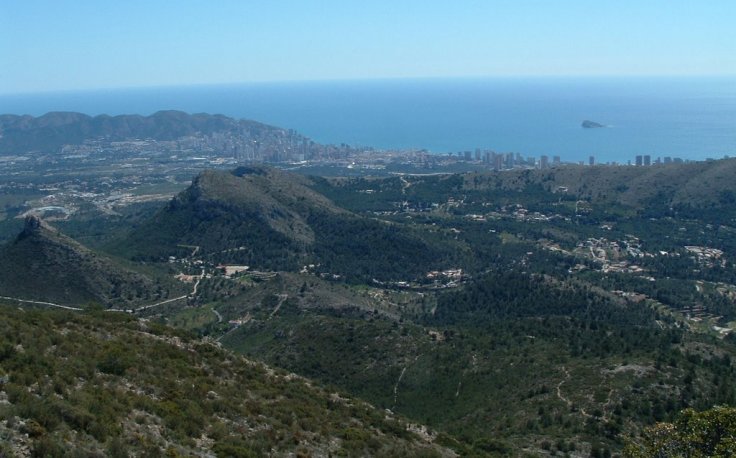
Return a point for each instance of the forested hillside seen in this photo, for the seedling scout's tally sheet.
(529, 312)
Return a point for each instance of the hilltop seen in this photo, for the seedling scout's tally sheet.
(271, 219)
(254, 215)
(43, 264)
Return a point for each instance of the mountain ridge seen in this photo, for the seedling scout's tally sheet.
(49, 132)
(688, 183)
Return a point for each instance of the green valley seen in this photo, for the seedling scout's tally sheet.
(560, 311)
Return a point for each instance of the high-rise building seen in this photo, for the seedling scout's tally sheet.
(639, 161)
(510, 160)
(543, 162)
(498, 161)
(591, 160)
(556, 160)
(647, 160)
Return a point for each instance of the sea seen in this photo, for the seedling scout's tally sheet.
(690, 118)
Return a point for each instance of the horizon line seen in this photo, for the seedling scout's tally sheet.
(365, 80)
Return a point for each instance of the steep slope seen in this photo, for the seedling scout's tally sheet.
(44, 264)
(110, 385)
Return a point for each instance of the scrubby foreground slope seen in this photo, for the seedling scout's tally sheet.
(112, 385)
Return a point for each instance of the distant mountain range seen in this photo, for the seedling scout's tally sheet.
(48, 133)
(696, 183)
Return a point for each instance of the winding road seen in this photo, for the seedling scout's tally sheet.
(186, 296)
(282, 298)
(50, 304)
(566, 400)
(139, 309)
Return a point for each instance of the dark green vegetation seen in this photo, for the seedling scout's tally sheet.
(42, 264)
(535, 363)
(542, 349)
(105, 384)
(530, 312)
(273, 220)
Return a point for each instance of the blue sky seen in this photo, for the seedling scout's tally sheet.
(83, 44)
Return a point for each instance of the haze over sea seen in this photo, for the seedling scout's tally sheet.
(691, 118)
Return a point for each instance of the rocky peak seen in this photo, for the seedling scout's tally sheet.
(34, 225)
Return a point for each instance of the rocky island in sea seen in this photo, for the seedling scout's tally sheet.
(591, 125)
